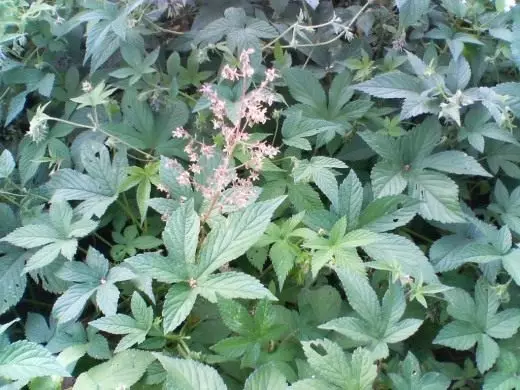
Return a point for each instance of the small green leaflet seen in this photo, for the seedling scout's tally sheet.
(135, 329)
(7, 164)
(507, 206)
(130, 241)
(320, 170)
(505, 376)
(97, 190)
(366, 328)
(339, 248)
(478, 321)
(283, 251)
(138, 66)
(411, 377)
(12, 278)
(91, 278)
(477, 128)
(234, 236)
(143, 178)
(411, 11)
(56, 234)
(253, 331)
(337, 370)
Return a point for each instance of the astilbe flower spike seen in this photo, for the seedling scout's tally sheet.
(253, 110)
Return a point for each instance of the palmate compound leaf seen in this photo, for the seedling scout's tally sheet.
(97, 189)
(189, 374)
(91, 278)
(320, 170)
(410, 162)
(331, 366)
(367, 327)
(478, 321)
(229, 239)
(24, 360)
(57, 234)
(411, 377)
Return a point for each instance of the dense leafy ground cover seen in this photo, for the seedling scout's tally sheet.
(263, 194)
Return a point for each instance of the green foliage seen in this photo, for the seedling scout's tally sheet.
(286, 195)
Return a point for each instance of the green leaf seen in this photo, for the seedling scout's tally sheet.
(12, 279)
(233, 285)
(135, 328)
(181, 233)
(305, 88)
(477, 321)
(392, 85)
(56, 234)
(24, 360)
(178, 303)
(233, 236)
(97, 190)
(164, 269)
(375, 325)
(123, 370)
(359, 372)
(389, 212)
(266, 377)
(411, 11)
(411, 377)
(7, 164)
(350, 200)
(190, 374)
(91, 277)
(439, 196)
(387, 179)
(241, 31)
(454, 161)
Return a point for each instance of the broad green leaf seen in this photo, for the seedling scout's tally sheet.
(454, 161)
(123, 370)
(392, 85)
(24, 360)
(387, 213)
(190, 374)
(233, 236)
(411, 11)
(178, 303)
(96, 190)
(233, 285)
(305, 88)
(411, 377)
(350, 199)
(181, 233)
(7, 164)
(375, 325)
(439, 196)
(12, 279)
